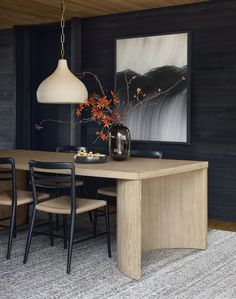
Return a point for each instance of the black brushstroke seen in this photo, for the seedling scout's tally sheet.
(157, 78)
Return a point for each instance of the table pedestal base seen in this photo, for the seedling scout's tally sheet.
(163, 212)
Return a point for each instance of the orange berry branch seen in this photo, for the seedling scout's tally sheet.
(101, 109)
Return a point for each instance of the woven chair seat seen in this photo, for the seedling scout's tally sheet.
(23, 197)
(109, 191)
(62, 205)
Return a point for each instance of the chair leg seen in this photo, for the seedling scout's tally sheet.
(12, 225)
(57, 216)
(14, 228)
(90, 217)
(27, 215)
(85, 193)
(65, 230)
(95, 223)
(51, 229)
(107, 219)
(71, 240)
(57, 222)
(29, 238)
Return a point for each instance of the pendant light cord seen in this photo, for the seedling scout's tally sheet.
(62, 29)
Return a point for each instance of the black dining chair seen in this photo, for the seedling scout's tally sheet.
(80, 182)
(13, 197)
(55, 183)
(66, 205)
(73, 149)
(110, 193)
(57, 186)
(70, 148)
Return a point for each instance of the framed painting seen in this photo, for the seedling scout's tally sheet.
(153, 84)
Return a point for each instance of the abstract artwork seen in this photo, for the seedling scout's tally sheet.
(152, 82)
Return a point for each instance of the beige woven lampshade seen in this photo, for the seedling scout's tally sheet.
(62, 87)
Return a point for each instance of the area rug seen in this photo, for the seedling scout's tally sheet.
(167, 274)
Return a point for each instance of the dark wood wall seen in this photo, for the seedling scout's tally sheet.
(37, 54)
(213, 100)
(7, 90)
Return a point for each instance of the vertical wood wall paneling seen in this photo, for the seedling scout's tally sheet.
(76, 68)
(213, 95)
(23, 86)
(7, 90)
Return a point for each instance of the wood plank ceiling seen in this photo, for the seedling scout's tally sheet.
(28, 12)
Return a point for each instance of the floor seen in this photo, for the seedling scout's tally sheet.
(222, 225)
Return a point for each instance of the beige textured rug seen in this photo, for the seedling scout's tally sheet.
(174, 273)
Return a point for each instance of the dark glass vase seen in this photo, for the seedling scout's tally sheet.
(119, 143)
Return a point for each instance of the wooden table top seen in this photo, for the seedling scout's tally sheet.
(131, 169)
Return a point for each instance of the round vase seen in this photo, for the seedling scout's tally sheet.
(119, 142)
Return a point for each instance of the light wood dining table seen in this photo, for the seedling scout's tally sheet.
(160, 203)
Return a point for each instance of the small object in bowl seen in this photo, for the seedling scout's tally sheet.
(89, 157)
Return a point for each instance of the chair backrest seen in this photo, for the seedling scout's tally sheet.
(9, 174)
(42, 172)
(146, 154)
(70, 149)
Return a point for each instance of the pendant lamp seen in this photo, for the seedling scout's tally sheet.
(62, 87)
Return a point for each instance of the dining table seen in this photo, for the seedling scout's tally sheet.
(161, 203)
